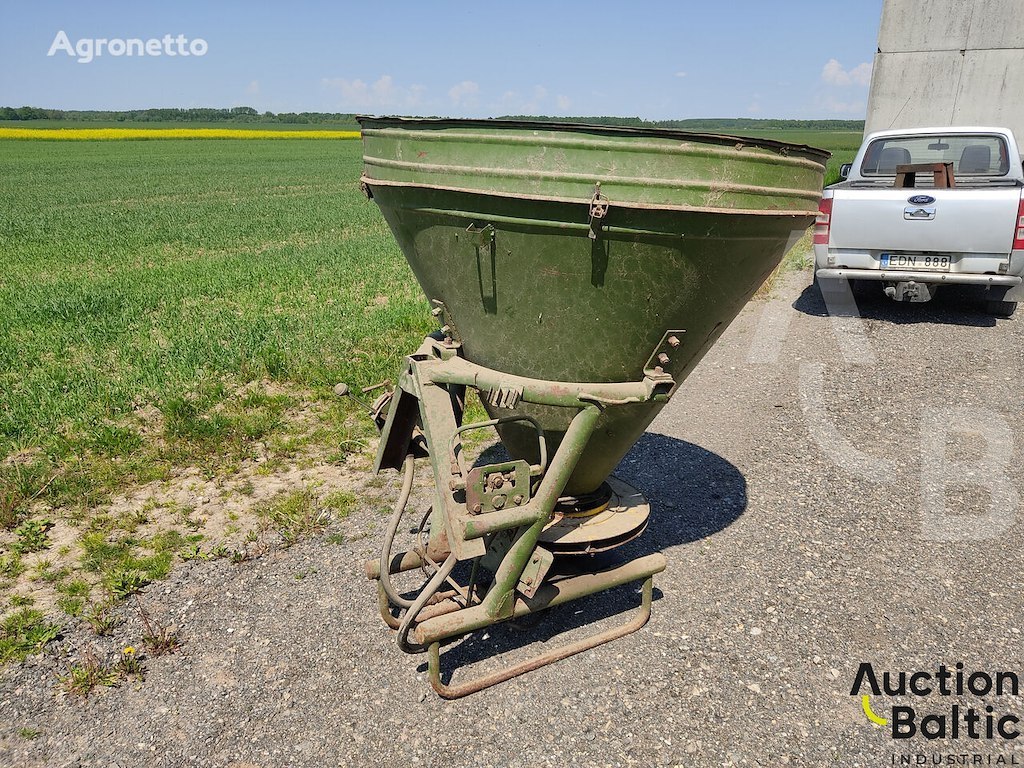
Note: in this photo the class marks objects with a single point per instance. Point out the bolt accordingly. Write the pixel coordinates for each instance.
(498, 501)
(663, 358)
(477, 509)
(436, 311)
(341, 389)
(497, 480)
(673, 341)
(517, 499)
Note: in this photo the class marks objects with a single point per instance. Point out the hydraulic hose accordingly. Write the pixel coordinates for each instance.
(421, 600)
(408, 468)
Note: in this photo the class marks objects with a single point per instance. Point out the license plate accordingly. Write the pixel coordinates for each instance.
(915, 261)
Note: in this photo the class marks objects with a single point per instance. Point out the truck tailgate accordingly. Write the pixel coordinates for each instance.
(960, 220)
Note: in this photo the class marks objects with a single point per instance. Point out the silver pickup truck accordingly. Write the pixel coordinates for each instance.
(913, 232)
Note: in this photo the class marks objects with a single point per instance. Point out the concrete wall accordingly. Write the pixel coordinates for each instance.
(949, 62)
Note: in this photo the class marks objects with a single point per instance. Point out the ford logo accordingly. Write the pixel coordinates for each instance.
(921, 200)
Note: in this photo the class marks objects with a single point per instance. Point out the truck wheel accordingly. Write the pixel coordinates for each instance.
(1000, 308)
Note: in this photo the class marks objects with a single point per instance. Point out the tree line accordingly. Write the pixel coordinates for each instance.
(707, 123)
(250, 115)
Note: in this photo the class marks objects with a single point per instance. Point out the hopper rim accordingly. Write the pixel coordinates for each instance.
(816, 154)
(784, 212)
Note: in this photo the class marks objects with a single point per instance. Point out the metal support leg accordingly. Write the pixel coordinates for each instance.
(641, 617)
(428, 420)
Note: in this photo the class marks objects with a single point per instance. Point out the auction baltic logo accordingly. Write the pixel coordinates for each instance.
(945, 694)
(88, 48)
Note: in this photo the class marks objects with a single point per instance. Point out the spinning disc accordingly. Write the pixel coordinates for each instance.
(621, 517)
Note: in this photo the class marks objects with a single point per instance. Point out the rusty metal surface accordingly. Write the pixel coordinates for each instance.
(505, 539)
(563, 161)
(623, 517)
(551, 594)
(711, 139)
(449, 691)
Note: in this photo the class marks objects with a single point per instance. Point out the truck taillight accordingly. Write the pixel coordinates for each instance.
(824, 219)
(1018, 237)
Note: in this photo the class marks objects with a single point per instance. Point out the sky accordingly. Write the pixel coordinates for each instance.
(655, 60)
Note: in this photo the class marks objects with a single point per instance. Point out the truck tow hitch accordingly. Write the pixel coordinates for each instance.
(909, 290)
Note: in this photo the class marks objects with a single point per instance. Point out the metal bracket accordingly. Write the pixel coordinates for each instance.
(497, 548)
(444, 317)
(536, 569)
(598, 211)
(399, 433)
(505, 396)
(480, 236)
(661, 357)
(497, 486)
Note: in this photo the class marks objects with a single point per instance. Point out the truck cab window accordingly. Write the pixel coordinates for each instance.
(971, 155)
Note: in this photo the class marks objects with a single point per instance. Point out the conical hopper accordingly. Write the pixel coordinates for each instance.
(573, 253)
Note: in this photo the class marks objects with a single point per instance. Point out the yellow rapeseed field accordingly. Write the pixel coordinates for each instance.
(91, 134)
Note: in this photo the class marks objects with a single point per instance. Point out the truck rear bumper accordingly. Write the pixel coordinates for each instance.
(894, 276)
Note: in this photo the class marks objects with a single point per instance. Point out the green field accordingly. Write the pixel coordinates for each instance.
(184, 306)
(168, 274)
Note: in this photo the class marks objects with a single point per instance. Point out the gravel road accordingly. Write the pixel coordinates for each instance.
(802, 483)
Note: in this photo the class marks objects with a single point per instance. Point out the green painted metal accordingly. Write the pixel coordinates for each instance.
(568, 590)
(501, 597)
(467, 523)
(499, 224)
(563, 161)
